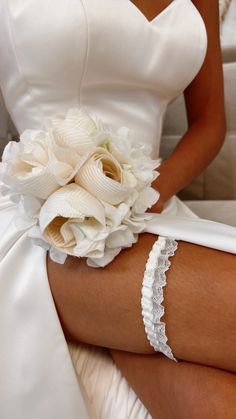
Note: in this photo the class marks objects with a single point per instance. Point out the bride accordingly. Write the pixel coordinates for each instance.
(124, 61)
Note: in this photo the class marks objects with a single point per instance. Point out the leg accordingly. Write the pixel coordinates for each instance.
(102, 306)
(181, 391)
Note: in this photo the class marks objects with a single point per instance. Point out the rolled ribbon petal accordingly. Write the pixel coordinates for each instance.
(71, 201)
(102, 176)
(75, 131)
(64, 210)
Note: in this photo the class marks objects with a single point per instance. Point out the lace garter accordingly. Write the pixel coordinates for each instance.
(152, 293)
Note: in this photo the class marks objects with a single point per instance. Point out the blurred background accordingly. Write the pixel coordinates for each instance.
(219, 180)
(213, 194)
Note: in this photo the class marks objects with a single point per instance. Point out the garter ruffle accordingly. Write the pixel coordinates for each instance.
(152, 293)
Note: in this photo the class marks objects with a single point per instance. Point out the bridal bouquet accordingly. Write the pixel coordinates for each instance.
(82, 188)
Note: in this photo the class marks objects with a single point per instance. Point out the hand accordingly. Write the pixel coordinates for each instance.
(158, 207)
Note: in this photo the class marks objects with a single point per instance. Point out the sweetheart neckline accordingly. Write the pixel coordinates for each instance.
(150, 22)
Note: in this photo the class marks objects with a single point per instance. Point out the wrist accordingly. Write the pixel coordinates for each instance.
(166, 184)
(163, 190)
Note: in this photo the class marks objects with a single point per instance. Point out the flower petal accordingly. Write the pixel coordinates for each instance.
(109, 255)
(71, 201)
(57, 256)
(146, 199)
(75, 131)
(10, 151)
(101, 175)
(121, 237)
(39, 183)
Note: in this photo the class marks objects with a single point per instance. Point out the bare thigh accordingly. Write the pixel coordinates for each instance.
(178, 391)
(102, 306)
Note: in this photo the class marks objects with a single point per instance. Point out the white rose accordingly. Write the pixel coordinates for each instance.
(73, 221)
(77, 131)
(37, 165)
(138, 168)
(104, 177)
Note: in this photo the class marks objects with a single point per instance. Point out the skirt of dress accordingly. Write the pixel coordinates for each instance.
(37, 375)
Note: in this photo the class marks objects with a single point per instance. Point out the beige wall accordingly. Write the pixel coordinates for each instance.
(219, 179)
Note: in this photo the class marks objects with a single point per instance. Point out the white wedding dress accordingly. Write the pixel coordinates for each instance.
(106, 56)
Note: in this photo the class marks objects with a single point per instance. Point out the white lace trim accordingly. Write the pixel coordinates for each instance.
(152, 293)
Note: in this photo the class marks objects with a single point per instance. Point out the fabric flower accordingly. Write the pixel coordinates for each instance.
(137, 166)
(73, 221)
(82, 188)
(104, 177)
(38, 166)
(77, 130)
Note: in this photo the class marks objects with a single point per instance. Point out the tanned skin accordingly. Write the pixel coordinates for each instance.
(102, 306)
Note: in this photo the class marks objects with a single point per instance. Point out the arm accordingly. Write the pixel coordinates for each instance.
(204, 99)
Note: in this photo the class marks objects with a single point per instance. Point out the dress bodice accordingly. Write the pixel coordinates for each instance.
(101, 54)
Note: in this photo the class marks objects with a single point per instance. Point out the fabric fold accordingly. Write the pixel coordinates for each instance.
(181, 225)
(37, 375)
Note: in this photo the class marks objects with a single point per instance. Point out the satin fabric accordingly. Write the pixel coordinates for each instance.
(37, 376)
(106, 56)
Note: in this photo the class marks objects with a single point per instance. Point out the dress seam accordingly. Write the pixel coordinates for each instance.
(86, 54)
(17, 60)
(201, 34)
